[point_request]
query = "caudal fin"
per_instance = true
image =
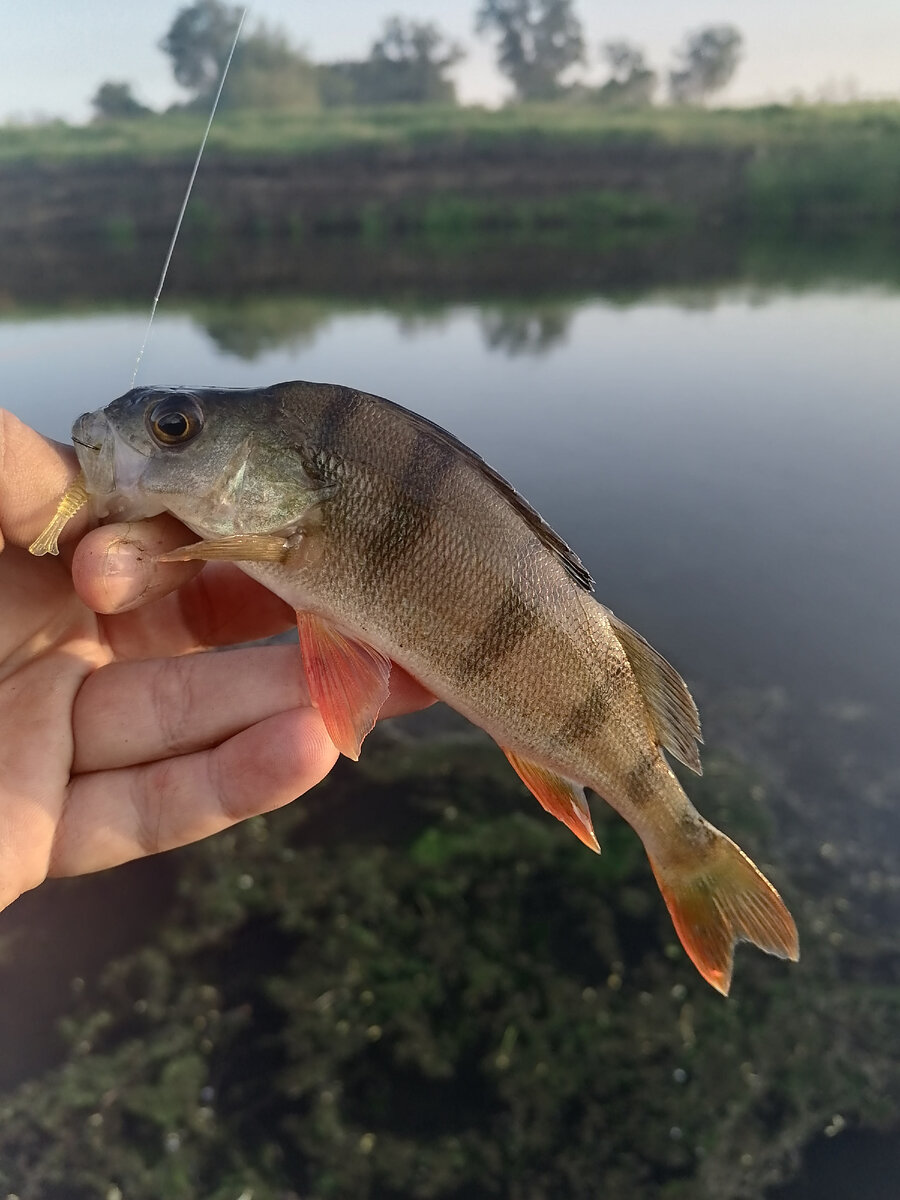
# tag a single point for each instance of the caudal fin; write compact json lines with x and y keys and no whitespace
{"x":722,"y":900}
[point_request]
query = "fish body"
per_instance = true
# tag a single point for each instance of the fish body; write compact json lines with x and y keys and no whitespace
{"x":395,"y":542}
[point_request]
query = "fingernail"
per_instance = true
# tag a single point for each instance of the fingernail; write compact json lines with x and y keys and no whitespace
{"x":126,"y":572}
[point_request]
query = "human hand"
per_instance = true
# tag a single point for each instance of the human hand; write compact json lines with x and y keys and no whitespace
{"x":117,"y":739}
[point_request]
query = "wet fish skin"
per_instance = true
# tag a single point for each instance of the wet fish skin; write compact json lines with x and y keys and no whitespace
{"x":393,"y":541}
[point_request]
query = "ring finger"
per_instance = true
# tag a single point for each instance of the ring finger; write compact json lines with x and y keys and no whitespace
{"x":136,"y":712}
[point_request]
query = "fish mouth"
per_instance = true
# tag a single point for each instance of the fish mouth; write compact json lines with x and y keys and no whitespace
{"x":113,"y":468}
{"x":91,"y":430}
{"x":86,"y":445}
{"x":94,"y":444}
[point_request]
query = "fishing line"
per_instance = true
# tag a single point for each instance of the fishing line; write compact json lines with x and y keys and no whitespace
{"x":187,"y":194}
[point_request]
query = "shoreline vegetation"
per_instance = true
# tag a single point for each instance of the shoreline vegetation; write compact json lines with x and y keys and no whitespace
{"x":531,"y":171}
{"x":406,"y":125}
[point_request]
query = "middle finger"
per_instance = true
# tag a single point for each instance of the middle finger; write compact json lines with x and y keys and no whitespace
{"x":138,"y":712}
{"x":135,"y":712}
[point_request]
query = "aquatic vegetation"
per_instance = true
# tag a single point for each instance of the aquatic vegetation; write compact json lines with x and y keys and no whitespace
{"x":410,"y":985}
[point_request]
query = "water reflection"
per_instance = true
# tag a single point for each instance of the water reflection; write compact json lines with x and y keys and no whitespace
{"x":247,"y":329}
{"x":526,"y":331}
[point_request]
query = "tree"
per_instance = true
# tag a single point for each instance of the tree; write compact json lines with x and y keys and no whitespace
{"x":538,"y":40}
{"x":709,"y":58}
{"x":413,"y":57}
{"x":631,"y":82}
{"x":114,"y":99}
{"x":198,"y":43}
{"x":406,"y":41}
{"x":407,"y":63}
{"x":266,"y":72}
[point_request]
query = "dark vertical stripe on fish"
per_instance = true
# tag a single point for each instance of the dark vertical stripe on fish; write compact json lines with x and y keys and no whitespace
{"x":697,"y":833}
{"x":639,"y":776}
{"x":411,"y":510}
{"x":335,"y":414}
{"x":510,"y":622}
{"x":585,"y":718}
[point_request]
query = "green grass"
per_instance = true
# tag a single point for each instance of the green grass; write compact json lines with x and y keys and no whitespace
{"x":849,"y":128}
{"x":800,"y":170}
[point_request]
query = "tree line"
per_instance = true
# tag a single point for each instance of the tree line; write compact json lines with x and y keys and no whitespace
{"x":539,"y":46}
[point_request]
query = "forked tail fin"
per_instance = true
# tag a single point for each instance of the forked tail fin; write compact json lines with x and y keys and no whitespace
{"x":723,"y":899}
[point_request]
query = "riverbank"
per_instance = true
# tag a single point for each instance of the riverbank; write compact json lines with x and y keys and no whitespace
{"x":414,"y":126}
{"x":532,"y":171}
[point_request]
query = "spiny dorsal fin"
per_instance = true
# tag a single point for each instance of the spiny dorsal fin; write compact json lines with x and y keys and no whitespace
{"x":671,"y":707}
{"x":574,"y":567}
{"x":572,"y":564}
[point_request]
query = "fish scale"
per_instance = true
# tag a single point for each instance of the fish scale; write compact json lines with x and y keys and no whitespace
{"x":395,"y":542}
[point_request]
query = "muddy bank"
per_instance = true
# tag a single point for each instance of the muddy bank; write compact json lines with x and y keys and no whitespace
{"x":348,"y":189}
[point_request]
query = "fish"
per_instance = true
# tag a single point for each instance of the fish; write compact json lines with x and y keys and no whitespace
{"x":396,"y":543}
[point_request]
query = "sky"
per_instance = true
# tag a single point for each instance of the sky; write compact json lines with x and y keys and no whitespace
{"x":55,"y":53}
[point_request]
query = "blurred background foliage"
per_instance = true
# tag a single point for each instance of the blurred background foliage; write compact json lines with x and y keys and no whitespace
{"x":429,"y":990}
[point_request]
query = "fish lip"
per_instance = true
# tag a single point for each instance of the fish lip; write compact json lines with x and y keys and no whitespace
{"x":88,"y":430}
{"x":92,"y":438}
{"x":113,"y":466}
{"x":87,"y":445}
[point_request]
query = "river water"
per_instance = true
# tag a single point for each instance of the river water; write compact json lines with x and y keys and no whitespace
{"x":725,"y":462}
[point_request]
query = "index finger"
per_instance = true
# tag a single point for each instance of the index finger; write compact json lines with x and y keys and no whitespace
{"x":34,"y":473}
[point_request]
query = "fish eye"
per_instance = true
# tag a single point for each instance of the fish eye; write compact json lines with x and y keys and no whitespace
{"x":175,"y":420}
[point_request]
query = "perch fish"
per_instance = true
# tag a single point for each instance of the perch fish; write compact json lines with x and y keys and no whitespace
{"x":395,"y":542}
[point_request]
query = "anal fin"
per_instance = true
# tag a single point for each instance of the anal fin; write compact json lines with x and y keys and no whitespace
{"x":559,"y":796}
{"x":348,"y":681}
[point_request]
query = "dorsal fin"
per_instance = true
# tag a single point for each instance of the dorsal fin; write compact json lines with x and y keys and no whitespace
{"x":670,"y":704}
{"x":574,"y":567}
{"x":567,"y":557}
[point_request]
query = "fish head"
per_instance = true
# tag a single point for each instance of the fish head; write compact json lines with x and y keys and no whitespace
{"x":216,"y":458}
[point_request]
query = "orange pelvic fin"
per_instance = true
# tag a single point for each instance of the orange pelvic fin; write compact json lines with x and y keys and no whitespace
{"x":559,"y":796}
{"x":725,"y":900}
{"x":348,"y":681}
{"x":242,"y":547}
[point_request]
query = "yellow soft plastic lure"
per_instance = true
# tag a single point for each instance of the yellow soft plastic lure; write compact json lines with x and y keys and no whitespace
{"x":75,"y":498}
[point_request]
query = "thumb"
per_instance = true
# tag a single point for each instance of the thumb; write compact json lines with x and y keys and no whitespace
{"x":34,"y":473}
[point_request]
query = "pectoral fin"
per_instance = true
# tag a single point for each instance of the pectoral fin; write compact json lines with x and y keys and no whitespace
{"x":348,"y":681}
{"x":559,"y":796}
{"x":242,"y":547}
